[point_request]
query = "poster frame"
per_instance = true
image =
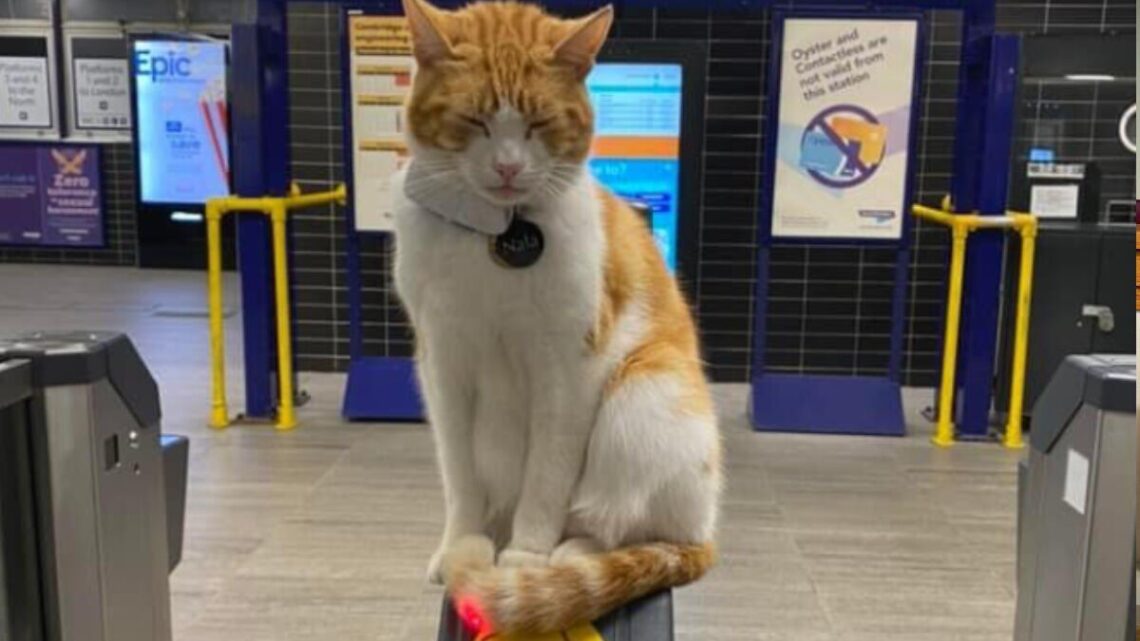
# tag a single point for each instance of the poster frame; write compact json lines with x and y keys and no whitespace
{"x":75,"y":132}
{"x":772,"y":114}
{"x":37,"y":29}
{"x":873,"y":404}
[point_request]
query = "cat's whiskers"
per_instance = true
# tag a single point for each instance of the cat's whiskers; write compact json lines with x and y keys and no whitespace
{"x":559,"y":179}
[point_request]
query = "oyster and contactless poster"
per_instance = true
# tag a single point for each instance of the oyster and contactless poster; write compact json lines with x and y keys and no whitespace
{"x":846,"y":88}
{"x":50,"y":195}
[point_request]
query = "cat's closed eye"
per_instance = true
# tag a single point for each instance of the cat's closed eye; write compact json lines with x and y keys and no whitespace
{"x":536,"y":125}
{"x":478,"y":124}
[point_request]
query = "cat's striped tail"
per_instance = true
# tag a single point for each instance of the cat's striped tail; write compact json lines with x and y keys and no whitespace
{"x":582,"y":588}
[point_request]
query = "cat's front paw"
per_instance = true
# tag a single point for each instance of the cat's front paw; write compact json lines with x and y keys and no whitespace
{"x":435,"y":566}
{"x":470,"y":552}
{"x":516,"y":558}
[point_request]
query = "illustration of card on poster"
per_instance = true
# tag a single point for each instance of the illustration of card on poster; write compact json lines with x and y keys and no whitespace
{"x":381,"y":77}
{"x":25,"y":99}
{"x":846,"y":89}
{"x":102,"y":93}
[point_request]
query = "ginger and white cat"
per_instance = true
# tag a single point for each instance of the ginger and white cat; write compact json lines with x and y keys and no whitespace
{"x":575,"y":431}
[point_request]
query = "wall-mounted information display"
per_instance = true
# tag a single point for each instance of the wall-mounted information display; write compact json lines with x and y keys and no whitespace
{"x":381,"y":68}
{"x":50,"y":195}
{"x":100,"y":88}
{"x":25,"y":83}
{"x":637,"y":140}
{"x":182,"y":130}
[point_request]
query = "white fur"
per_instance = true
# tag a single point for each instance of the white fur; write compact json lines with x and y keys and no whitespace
{"x":529,"y":453}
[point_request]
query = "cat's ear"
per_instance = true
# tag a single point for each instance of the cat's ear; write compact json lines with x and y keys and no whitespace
{"x":428,"y":42}
{"x":585,"y":40}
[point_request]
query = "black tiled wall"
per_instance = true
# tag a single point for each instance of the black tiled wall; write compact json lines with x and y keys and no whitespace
{"x":1080,"y":122}
{"x":829,"y":306}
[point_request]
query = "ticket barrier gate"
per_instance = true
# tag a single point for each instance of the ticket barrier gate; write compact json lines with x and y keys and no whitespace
{"x":92,"y":495}
{"x":1077,"y":506}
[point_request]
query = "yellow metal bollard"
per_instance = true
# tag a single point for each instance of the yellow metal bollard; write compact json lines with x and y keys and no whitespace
{"x":961,"y":225}
{"x":286,"y":420}
{"x":219,"y":412}
{"x":1013,"y":437}
{"x":277,"y":209}
{"x":944,"y":433}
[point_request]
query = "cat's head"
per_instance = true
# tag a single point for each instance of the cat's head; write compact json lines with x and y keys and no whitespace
{"x":499,"y":99}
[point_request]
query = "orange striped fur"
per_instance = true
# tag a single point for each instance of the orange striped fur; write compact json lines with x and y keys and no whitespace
{"x":558,"y":597}
{"x":633,"y":266}
{"x":495,"y":52}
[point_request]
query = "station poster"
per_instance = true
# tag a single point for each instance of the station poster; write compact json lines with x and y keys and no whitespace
{"x":50,"y":195}
{"x":102,"y":93}
{"x":842,"y":150}
{"x":25,"y":82}
{"x":380,"y":77}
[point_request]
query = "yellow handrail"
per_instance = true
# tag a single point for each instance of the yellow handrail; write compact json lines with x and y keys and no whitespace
{"x":277,"y":209}
{"x":961,"y":225}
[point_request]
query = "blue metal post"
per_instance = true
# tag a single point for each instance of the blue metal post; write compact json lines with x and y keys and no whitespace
{"x":982,"y":185}
{"x":261,"y":145}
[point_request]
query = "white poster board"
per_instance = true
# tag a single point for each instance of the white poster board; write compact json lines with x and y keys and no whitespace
{"x":844,"y":115}
{"x":102,"y":94}
{"x":29,"y":101}
{"x":97,"y":80}
{"x":25,"y":93}
{"x":381,"y":67}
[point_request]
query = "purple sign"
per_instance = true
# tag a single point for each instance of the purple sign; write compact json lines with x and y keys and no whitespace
{"x":50,"y":195}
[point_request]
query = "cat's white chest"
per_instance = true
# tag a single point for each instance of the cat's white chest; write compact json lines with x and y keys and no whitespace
{"x":448,"y":276}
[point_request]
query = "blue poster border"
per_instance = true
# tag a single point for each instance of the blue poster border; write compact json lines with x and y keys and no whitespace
{"x":378,"y":387}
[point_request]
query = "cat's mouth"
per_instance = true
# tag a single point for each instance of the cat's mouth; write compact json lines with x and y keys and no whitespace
{"x":506,"y":193}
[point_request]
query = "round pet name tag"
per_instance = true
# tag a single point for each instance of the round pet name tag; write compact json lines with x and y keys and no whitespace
{"x":520,"y":246}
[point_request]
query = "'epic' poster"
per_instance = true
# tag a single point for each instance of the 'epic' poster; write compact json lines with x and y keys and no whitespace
{"x":846,"y":88}
{"x":50,"y":195}
{"x":183,"y":124}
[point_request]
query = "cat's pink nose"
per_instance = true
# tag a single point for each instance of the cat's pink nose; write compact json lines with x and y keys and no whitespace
{"x":508,"y":170}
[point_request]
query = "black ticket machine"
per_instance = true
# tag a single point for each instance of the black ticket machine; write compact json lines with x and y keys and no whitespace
{"x":1057,"y":191}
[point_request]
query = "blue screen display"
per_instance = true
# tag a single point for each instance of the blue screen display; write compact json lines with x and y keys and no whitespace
{"x":183,"y":122}
{"x":637,"y":140}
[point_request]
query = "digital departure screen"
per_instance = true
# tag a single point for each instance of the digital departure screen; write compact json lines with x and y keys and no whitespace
{"x":637,"y":140}
{"x":182,"y":119}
